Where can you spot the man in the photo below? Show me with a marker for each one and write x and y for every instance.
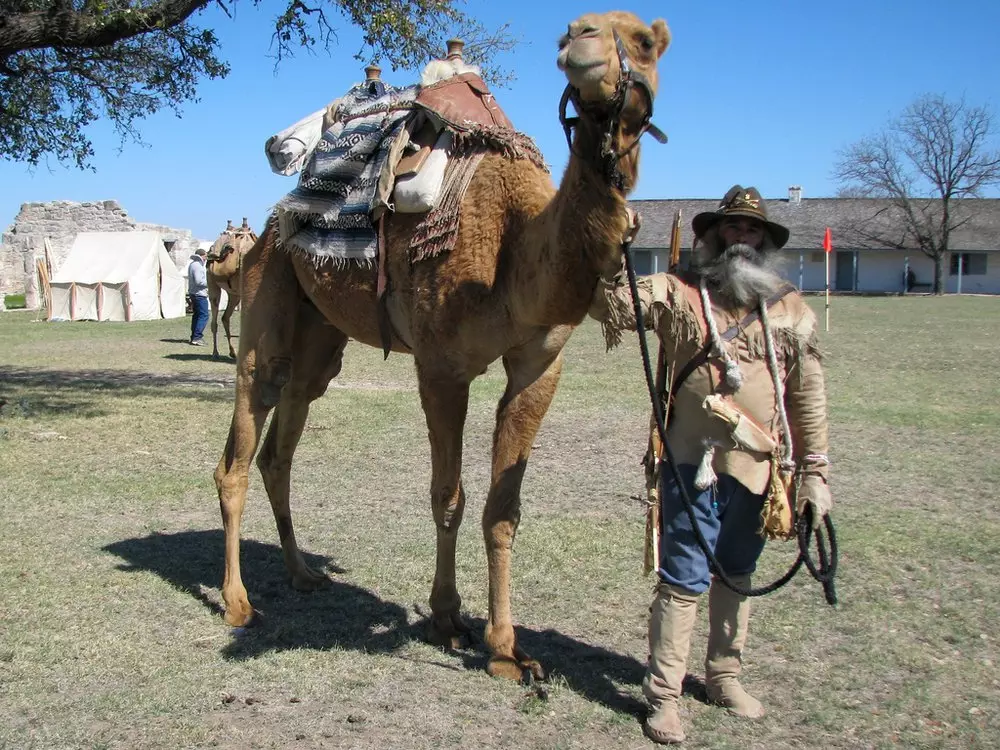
(746, 406)
(198, 294)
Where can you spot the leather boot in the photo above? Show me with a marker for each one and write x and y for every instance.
(671, 619)
(728, 623)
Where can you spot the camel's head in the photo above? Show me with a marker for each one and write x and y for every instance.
(610, 62)
(233, 238)
(599, 49)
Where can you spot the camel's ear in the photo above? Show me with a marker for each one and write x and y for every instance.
(662, 34)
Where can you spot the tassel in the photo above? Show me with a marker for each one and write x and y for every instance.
(734, 378)
(705, 476)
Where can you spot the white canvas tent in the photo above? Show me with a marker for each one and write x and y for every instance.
(117, 276)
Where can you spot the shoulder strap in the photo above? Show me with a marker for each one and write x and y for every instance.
(730, 333)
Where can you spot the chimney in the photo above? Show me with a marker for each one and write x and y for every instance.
(795, 194)
(372, 72)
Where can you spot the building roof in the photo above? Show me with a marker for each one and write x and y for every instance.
(852, 222)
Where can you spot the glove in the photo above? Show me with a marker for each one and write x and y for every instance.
(814, 490)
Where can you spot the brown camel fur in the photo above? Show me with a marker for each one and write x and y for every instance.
(518, 280)
(222, 268)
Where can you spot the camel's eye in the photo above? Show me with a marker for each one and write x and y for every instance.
(646, 43)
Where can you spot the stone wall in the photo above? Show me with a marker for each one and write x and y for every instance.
(60, 221)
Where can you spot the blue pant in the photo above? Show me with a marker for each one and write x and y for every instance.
(728, 515)
(199, 316)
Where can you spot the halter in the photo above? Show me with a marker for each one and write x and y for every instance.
(628, 78)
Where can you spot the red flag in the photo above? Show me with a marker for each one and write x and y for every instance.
(827, 243)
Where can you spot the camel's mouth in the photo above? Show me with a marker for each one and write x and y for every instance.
(582, 58)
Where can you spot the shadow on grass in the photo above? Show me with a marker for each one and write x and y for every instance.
(203, 356)
(345, 616)
(38, 391)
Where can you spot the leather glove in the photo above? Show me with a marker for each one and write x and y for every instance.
(814, 490)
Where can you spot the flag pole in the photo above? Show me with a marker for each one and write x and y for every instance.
(826, 257)
(827, 249)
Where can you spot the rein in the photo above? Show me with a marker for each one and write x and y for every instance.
(823, 572)
(628, 79)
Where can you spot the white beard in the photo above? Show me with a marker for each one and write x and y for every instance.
(743, 274)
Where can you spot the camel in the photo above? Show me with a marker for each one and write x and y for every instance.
(519, 279)
(225, 258)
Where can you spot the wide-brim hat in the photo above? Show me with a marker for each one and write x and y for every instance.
(740, 201)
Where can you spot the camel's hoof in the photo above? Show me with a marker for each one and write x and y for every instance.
(239, 617)
(449, 631)
(524, 670)
(308, 579)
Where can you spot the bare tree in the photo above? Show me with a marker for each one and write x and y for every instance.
(936, 153)
(66, 63)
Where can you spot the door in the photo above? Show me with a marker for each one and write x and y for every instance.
(846, 278)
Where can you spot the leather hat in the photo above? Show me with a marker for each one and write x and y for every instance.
(740, 201)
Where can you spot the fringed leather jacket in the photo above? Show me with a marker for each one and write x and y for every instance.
(673, 306)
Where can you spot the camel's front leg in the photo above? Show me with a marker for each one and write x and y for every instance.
(214, 298)
(317, 356)
(263, 368)
(231, 479)
(445, 404)
(532, 377)
(231, 304)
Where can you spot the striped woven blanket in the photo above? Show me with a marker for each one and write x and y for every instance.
(328, 215)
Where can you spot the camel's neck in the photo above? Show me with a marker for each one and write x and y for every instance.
(579, 234)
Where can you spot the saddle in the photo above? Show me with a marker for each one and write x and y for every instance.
(459, 104)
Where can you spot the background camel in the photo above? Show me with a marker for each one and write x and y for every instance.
(225, 258)
(518, 280)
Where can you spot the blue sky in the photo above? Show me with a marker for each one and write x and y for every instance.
(759, 93)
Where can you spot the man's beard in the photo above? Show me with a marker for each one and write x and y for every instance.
(743, 274)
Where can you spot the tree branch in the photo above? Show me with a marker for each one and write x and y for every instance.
(61, 26)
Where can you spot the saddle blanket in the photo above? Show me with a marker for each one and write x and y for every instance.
(328, 215)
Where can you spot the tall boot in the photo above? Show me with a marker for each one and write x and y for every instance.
(728, 623)
(671, 619)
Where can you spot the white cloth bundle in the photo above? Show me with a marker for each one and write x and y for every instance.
(288, 150)
(420, 192)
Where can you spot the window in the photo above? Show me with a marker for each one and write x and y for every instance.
(817, 257)
(973, 264)
(643, 260)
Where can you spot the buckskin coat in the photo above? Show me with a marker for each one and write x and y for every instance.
(672, 306)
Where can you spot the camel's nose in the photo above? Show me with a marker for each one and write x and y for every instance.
(582, 27)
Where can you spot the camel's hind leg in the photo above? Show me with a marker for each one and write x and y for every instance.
(231, 304)
(214, 298)
(532, 376)
(316, 356)
(271, 297)
(445, 404)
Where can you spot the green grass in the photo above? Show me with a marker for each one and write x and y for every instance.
(111, 554)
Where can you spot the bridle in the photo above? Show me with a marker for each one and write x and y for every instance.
(628, 79)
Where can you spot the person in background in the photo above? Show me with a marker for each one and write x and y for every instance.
(198, 295)
(747, 425)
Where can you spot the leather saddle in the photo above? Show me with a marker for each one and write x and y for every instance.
(460, 103)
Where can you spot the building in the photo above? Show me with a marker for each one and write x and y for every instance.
(860, 262)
